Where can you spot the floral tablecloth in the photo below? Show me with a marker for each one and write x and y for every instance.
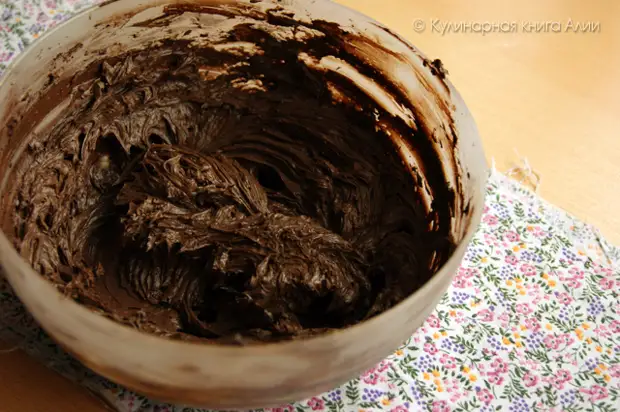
(531, 322)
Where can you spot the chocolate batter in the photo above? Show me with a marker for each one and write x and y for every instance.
(232, 192)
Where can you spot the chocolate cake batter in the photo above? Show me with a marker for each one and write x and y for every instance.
(232, 192)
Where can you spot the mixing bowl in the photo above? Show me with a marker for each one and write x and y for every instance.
(218, 376)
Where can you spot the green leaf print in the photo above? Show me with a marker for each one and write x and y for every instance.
(352, 392)
(518, 209)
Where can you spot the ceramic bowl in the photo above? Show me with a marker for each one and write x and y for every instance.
(229, 377)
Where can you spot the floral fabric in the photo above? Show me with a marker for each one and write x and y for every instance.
(530, 323)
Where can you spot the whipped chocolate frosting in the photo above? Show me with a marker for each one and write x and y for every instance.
(238, 191)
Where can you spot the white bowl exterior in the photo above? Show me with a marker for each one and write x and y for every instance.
(212, 375)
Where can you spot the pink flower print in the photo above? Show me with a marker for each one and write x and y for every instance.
(528, 363)
(614, 371)
(430, 348)
(566, 338)
(532, 288)
(577, 273)
(606, 283)
(553, 381)
(528, 270)
(490, 220)
(563, 375)
(511, 260)
(467, 273)
(532, 324)
(523, 308)
(473, 273)
(399, 408)
(551, 342)
(530, 380)
(504, 319)
(512, 236)
(602, 331)
(371, 377)
(453, 389)
(573, 283)
(485, 396)
(459, 282)
(433, 321)
(440, 406)
(316, 404)
(615, 326)
(495, 379)
(596, 393)
(556, 383)
(455, 397)
(488, 238)
(499, 366)
(600, 270)
(488, 352)
(485, 315)
(564, 298)
(383, 366)
(447, 361)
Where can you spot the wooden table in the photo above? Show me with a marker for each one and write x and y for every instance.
(553, 97)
